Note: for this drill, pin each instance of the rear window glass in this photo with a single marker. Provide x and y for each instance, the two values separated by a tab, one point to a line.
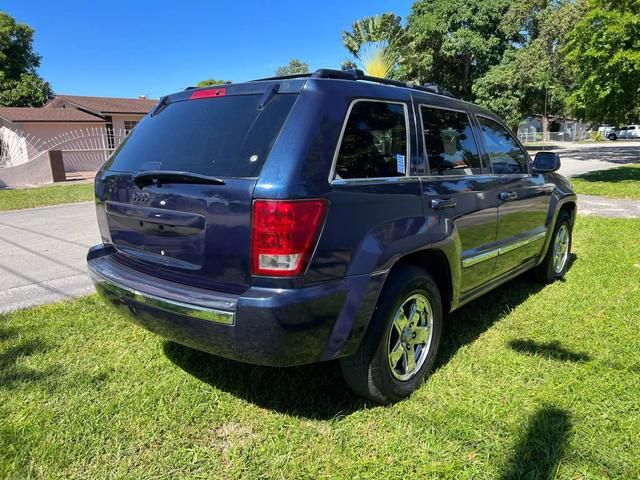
226	137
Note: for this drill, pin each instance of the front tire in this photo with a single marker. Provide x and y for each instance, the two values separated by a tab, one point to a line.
401	344
556	261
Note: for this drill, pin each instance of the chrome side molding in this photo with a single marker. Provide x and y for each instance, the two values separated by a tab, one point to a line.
468	262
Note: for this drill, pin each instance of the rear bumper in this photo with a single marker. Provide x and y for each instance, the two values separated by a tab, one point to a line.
278	327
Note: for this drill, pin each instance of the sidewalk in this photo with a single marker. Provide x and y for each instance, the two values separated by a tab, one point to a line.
44	254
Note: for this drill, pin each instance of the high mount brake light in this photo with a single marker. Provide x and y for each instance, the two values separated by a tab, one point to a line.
284	234
208	93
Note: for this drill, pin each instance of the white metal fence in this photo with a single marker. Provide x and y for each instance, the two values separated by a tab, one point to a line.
83	149
533	136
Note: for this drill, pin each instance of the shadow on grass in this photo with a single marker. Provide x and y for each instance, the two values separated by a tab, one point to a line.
614	175
541	447
553	350
466	324
312	391
318	391
12	374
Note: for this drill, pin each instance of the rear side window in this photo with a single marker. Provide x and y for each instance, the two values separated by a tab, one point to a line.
374	143
448	139
506	155
226	137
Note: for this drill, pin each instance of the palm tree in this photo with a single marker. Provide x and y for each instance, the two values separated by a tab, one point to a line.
376	43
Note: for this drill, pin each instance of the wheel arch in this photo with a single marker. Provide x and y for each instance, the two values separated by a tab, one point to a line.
571	208
436	263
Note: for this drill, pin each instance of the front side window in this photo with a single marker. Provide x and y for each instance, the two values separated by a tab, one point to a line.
449	142
374	143
506	155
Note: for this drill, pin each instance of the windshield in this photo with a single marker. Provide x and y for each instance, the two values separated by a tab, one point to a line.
226	137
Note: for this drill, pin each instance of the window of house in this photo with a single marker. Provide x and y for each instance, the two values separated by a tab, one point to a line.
129	125
111	139
374	143
449	142
506	155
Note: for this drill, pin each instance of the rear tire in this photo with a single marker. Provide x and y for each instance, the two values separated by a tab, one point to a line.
556	261
613	137
401	343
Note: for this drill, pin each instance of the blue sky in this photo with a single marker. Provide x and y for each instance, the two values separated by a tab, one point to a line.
152	48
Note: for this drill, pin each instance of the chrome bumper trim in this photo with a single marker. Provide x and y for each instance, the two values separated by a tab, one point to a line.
171	306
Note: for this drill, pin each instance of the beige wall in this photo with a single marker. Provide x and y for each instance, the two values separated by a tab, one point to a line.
118	122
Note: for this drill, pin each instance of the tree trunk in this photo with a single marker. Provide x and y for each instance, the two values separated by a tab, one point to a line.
545	128
465	84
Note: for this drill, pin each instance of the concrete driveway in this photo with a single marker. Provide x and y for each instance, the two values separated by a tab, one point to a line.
42	254
582	158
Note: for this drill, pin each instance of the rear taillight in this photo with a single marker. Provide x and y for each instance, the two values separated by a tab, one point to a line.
284	234
208	93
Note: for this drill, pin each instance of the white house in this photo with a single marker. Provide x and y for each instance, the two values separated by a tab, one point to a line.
88	128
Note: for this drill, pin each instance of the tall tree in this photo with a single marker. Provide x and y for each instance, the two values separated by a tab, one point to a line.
348	65
455	42
16	48
604	52
294	67
533	76
20	85
28	91
377	43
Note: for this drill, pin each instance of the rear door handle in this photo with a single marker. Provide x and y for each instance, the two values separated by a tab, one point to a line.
441	203
508	196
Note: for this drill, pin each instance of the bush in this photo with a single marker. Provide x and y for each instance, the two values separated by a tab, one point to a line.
596	137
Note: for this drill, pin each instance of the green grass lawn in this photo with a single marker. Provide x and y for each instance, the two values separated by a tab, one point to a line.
622	182
11	199
531	382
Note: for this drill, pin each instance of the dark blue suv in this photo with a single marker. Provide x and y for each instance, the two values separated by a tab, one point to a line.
327	216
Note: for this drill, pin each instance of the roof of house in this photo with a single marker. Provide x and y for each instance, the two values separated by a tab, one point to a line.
29	114
105	105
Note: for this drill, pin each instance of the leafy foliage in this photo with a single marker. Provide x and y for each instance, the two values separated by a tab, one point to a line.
211	82
348	65
20	85
294	67
455	42
377	43
16	52
604	52
29	91
533	76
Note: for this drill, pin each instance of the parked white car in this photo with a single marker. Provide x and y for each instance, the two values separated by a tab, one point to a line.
627	132
605	130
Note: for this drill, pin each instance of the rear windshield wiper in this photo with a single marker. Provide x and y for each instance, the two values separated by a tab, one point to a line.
159	177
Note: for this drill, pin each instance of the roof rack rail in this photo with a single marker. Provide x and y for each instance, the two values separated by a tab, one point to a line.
284	77
360	75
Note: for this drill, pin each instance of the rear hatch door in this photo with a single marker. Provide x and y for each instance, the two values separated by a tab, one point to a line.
175	198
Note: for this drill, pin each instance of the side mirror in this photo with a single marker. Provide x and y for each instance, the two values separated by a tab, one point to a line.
545	162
